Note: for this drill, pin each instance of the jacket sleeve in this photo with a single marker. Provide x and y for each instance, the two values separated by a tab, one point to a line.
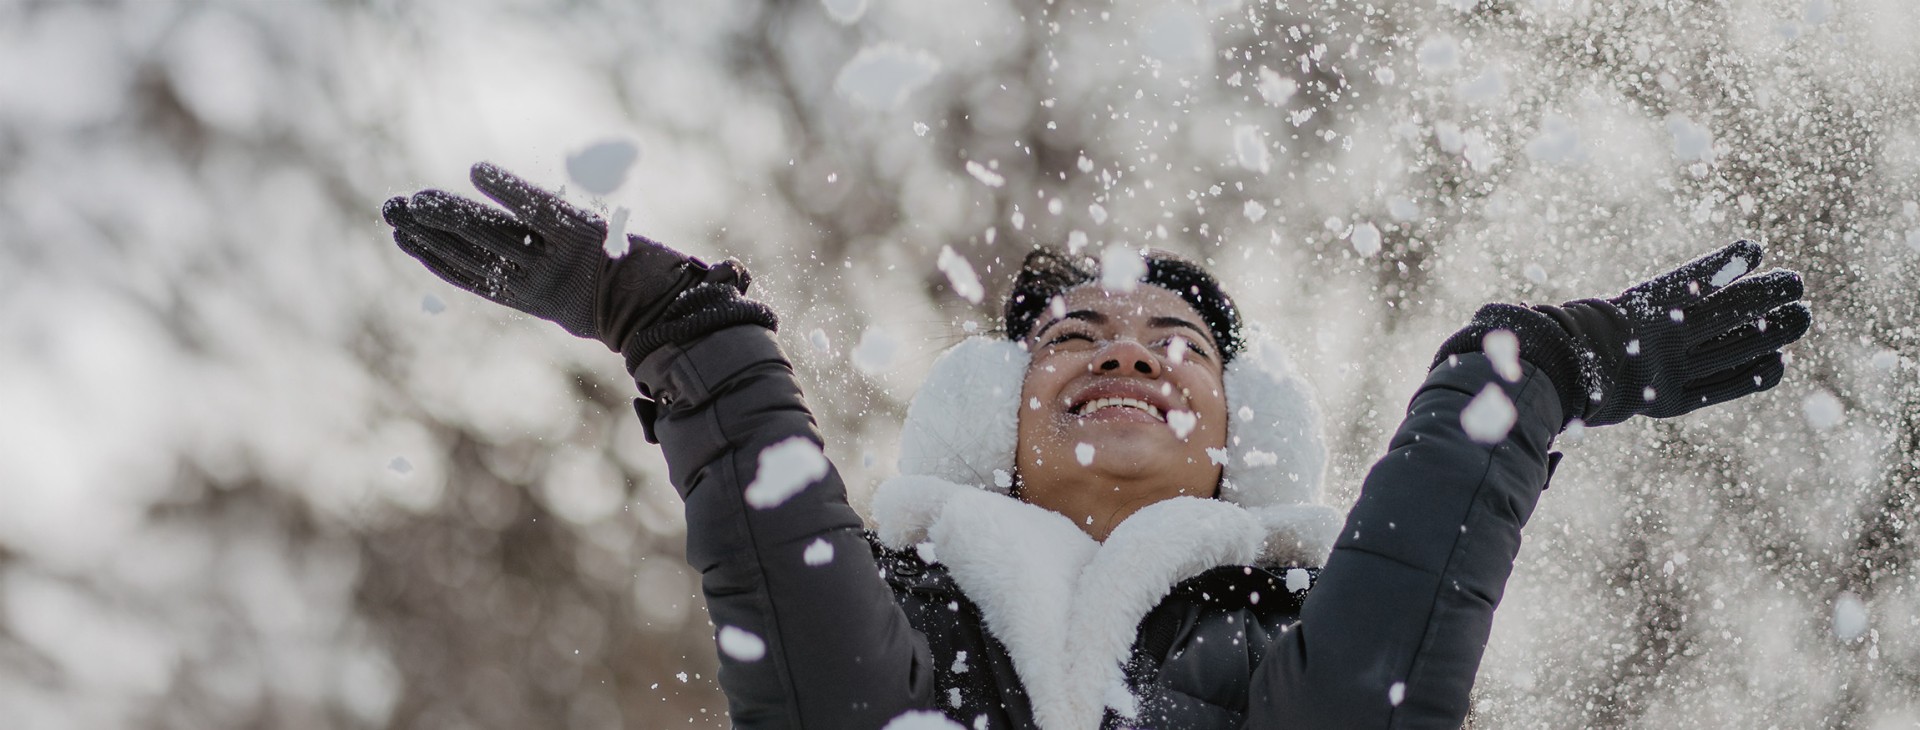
1393	632
838	652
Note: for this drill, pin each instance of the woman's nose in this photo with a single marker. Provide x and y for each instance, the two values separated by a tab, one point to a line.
1124	355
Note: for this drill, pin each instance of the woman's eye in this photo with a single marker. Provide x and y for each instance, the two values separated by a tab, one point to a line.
1065	337
1185	345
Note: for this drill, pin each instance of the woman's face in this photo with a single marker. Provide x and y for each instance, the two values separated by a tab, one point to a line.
1121	403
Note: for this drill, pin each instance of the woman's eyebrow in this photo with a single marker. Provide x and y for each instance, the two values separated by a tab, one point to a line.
1086	315
1179	322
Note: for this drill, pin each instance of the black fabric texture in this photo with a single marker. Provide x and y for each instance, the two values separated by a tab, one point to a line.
1404	606
1702	334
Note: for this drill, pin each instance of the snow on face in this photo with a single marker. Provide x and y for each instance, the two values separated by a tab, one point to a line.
1113	401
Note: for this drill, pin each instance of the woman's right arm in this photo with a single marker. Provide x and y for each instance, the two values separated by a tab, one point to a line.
809	633
838	651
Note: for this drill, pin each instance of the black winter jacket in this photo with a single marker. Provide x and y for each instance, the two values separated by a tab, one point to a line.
1390	636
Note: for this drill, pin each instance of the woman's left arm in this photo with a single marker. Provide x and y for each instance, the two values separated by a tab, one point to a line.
1393	632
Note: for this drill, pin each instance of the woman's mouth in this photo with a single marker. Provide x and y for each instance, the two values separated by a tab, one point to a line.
1103	408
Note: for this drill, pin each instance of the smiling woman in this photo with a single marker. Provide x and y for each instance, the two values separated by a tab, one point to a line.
1132	382
1081	536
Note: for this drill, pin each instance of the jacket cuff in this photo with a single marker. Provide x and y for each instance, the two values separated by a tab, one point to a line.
686	374
697	312
1544	343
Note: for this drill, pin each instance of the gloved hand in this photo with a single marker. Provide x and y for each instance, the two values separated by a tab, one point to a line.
1702	334
548	259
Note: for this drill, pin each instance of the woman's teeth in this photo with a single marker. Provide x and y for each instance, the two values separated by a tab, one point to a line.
1094	405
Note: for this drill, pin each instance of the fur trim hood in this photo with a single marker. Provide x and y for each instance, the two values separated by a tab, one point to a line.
1065	606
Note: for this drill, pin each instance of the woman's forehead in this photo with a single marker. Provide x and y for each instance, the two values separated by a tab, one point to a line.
1146	300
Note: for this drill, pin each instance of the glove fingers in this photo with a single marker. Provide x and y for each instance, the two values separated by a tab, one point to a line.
541	210
1697	278
481	224
1754	377
455	274
445	248
459	262
1743	303
1777	329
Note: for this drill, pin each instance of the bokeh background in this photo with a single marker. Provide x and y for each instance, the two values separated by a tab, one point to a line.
260	469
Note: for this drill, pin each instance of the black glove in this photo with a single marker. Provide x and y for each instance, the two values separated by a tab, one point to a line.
1693	337
548	259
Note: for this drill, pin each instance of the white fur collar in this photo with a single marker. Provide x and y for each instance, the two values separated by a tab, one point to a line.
1067	607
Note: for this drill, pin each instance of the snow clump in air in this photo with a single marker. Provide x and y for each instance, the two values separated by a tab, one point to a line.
741	644
602	167
1250	148
986	176
1254	211
880	77
1504	350
876	351
1298	580
1849	617
1396	693
785	469
1274	88
616	244
1691	142
1489	416
1366	240
1823	410
960	274
818	553
1084	453
1121	269
432	304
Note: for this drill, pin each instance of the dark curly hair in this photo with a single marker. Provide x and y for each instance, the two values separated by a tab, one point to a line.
1047	273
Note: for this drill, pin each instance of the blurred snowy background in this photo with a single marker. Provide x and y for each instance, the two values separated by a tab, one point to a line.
260	469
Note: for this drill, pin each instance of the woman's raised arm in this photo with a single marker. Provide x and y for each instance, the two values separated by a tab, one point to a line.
810	635
1392	634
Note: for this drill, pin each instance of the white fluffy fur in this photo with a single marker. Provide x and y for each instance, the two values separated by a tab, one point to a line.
1067	607
962	424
